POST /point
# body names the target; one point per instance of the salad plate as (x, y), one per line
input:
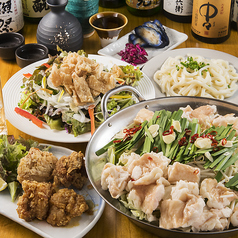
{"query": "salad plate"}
(78, 227)
(175, 38)
(155, 64)
(11, 97)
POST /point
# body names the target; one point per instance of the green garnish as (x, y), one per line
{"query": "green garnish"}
(183, 149)
(11, 151)
(192, 65)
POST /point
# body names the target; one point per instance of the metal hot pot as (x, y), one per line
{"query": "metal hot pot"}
(115, 123)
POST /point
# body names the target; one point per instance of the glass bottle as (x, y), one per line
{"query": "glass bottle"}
(143, 8)
(11, 16)
(33, 10)
(178, 10)
(111, 3)
(83, 10)
(211, 20)
(234, 17)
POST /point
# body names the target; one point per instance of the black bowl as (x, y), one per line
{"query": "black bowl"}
(9, 42)
(30, 53)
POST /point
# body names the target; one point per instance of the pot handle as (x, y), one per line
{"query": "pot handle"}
(113, 91)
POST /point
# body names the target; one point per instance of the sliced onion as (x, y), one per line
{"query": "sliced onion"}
(43, 104)
(56, 111)
(80, 117)
(47, 108)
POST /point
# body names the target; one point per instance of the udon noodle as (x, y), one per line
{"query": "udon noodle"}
(215, 79)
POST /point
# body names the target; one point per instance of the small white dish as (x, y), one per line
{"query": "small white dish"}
(175, 37)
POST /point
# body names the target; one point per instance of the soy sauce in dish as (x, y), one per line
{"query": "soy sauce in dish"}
(108, 22)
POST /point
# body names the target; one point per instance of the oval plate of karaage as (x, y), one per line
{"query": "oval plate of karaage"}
(77, 227)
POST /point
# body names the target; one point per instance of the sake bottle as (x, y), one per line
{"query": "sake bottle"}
(234, 15)
(11, 16)
(178, 10)
(143, 8)
(211, 20)
(33, 11)
(111, 3)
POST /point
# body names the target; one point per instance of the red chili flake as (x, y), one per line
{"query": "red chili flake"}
(223, 141)
(156, 149)
(168, 132)
(116, 141)
(193, 138)
(203, 136)
(158, 117)
(214, 142)
(182, 141)
(149, 158)
(214, 133)
(187, 132)
(216, 148)
(130, 132)
(210, 135)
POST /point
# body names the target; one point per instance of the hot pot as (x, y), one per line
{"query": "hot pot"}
(115, 123)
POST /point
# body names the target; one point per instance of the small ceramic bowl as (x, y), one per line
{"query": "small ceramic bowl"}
(9, 42)
(30, 53)
(108, 25)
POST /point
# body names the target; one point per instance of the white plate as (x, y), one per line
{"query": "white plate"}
(78, 227)
(175, 37)
(155, 64)
(11, 97)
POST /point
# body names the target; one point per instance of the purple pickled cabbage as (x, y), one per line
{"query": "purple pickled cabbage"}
(133, 54)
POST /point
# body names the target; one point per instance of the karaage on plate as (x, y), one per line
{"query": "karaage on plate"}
(40, 199)
(70, 170)
(37, 166)
(34, 203)
(65, 205)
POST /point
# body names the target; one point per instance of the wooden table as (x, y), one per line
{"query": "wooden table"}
(112, 224)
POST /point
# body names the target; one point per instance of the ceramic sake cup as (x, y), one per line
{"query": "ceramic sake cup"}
(30, 53)
(9, 42)
(108, 26)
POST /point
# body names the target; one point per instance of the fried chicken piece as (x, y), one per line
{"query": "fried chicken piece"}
(65, 205)
(70, 170)
(34, 203)
(37, 166)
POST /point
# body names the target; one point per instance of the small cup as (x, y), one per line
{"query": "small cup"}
(108, 25)
(30, 53)
(9, 42)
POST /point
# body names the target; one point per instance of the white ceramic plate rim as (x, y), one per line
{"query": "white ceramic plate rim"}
(11, 97)
(176, 38)
(155, 64)
(86, 222)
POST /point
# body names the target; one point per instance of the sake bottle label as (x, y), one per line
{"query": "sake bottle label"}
(35, 9)
(11, 17)
(179, 7)
(211, 18)
(143, 4)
